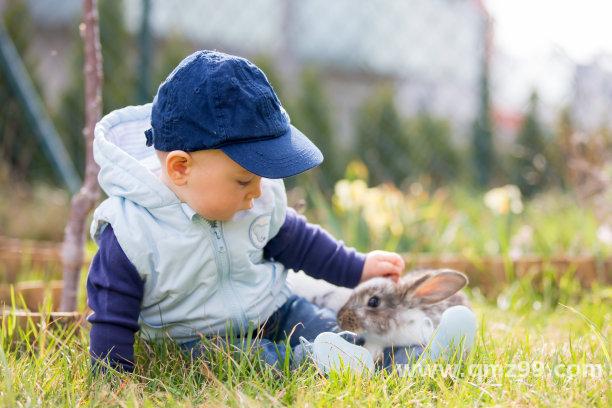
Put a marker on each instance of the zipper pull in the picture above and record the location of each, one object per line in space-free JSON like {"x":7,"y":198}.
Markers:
{"x":216,"y":231}
{"x":217,"y":234}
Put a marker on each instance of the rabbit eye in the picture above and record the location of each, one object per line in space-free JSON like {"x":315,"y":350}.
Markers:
{"x":374,"y":301}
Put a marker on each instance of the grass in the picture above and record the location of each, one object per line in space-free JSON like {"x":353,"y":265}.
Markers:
{"x":522,"y":357}
{"x":535,"y":347}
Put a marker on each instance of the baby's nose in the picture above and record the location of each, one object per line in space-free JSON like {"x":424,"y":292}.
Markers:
{"x":256,"y":189}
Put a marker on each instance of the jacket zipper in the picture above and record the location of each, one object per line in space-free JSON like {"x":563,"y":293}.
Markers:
{"x":223,"y":261}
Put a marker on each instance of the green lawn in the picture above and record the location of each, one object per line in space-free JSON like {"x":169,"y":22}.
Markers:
{"x":544,"y":344}
{"x":545,"y":357}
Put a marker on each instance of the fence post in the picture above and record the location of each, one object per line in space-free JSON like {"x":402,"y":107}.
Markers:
{"x":84,"y":201}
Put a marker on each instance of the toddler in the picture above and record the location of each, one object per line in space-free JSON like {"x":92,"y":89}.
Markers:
{"x":195,"y":237}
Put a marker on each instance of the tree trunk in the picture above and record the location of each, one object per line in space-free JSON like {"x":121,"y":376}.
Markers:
{"x":86,"y":198}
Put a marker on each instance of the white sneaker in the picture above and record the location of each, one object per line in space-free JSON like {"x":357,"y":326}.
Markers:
{"x":457,"y":328}
{"x":331,"y":352}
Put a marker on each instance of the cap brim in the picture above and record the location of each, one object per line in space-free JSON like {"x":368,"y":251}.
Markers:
{"x":284,"y":156}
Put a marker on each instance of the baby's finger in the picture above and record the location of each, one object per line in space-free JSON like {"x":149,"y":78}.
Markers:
{"x":394,"y":278}
{"x":390,"y":269}
{"x":399,"y":261}
{"x":396,"y":260}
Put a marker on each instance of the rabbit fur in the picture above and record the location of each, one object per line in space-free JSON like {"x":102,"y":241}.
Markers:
{"x":386,"y":313}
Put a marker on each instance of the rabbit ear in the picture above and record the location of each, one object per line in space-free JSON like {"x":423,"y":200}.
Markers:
{"x":438,"y":286}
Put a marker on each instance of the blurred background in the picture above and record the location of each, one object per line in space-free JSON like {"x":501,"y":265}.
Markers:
{"x":472,"y":127}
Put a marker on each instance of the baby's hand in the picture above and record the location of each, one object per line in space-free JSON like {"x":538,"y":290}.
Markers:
{"x":382,"y":263}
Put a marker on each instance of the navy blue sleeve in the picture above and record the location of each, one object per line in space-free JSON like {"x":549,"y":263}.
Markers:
{"x":114,"y":294}
{"x":308,"y":247}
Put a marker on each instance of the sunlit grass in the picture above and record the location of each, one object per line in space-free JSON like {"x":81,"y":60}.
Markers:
{"x":521,"y":358}
{"x":532,"y":327}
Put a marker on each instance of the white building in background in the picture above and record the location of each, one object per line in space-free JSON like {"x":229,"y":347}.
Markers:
{"x":430,"y":50}
{"x":592,"y":94}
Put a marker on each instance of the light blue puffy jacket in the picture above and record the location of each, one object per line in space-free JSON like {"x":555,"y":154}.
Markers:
{"x":199,"y":276}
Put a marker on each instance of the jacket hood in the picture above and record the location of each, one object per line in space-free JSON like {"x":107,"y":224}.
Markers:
{"x":128,"y":167}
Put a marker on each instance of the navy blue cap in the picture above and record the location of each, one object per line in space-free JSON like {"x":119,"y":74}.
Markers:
{"x":213,"y":100}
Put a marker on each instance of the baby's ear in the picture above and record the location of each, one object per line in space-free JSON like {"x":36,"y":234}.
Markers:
{"x":177,"y":166}
{"x":437,"y":286}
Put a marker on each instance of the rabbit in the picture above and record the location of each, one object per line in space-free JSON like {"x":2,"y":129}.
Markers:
{"x":318,"y":291}
{"x":386,"y":313}
{"x":406,"y":313}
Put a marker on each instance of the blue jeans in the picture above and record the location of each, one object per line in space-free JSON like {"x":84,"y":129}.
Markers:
{"x":278,"y":338}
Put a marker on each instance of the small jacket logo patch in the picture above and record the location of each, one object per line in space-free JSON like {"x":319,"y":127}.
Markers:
{"x":259,"y":230}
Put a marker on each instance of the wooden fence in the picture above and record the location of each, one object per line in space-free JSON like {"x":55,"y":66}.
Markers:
{"x":19,"y":258}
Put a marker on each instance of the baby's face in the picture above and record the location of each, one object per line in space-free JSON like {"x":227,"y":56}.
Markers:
{"x":217,"y":187}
